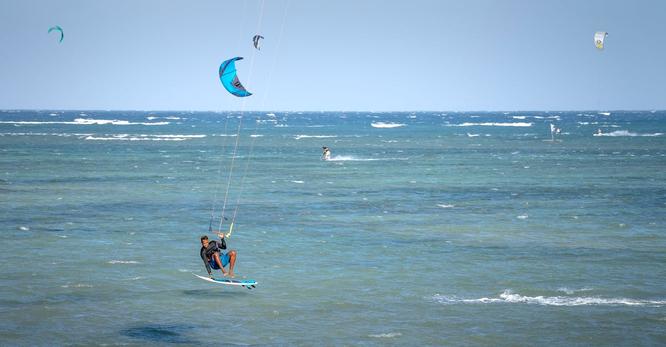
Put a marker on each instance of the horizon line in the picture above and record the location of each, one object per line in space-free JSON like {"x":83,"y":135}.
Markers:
{"x":324,"y":111}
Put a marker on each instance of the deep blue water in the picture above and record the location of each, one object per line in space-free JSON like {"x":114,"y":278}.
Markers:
{"x":426,"y":228}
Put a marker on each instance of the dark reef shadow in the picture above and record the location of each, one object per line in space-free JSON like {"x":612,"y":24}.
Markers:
{"x":161,"y":333}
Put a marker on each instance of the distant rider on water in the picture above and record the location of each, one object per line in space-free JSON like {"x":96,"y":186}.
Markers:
{"x":326,"y":155}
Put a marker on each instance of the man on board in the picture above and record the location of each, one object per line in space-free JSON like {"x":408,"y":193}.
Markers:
{"x":326,"y":155}
{"x":212,"y":256}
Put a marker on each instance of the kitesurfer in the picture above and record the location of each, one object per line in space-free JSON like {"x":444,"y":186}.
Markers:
{"x":326,"y":154}
{"x":255,"y":40}
{"x":213,"y":257}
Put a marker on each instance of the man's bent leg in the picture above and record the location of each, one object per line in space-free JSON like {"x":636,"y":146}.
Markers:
{"x":216,"y":256}
{"x":232,"y":261}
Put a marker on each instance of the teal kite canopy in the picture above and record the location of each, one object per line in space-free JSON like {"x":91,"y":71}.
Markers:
{"x":230,"y":80}
{"x":58,"y":28}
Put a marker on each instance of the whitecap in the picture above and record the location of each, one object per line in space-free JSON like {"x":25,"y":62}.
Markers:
{"x":123,"y":262}
{"x":384,"y":125}
{"x":44,"y":134}
{"x":298,"y":137}
{"x":445,"y":206}
{"x":299,"y":182}
{"x":177,"y":136}
{"x":494,"y":124}
{"x":86,"y":121}
{"x":77,"y":285}
{"x":622,"y":133}
{"x":472,"y":135}
{"x":572,"y":291}
{"x":353,"y":158}
{"x":143,"y":137}
{"x":522,"y":216}
{"x":508,"y":297}
{"x":23,"y":228}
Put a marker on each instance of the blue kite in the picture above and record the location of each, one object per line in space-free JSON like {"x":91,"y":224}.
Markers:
{"x":58,"y":28}
{"x":230,"y":80}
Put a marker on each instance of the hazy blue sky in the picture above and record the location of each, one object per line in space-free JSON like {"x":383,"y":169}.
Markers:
{"x":334,"y":55}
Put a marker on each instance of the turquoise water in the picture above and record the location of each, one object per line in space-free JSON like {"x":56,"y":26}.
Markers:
{"x":424,"y":229}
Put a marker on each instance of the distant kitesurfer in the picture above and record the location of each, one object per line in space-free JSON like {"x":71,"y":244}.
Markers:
{"x":326,"y":155}
{"x":213,"y":257}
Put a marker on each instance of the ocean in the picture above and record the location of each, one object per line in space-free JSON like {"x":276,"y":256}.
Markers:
{"x":424,"y":228}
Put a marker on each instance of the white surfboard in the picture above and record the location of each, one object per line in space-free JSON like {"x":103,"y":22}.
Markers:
{"x":229,"y":281}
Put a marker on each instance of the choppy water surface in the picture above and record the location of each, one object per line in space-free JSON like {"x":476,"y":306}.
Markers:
{"x":424,"y":228}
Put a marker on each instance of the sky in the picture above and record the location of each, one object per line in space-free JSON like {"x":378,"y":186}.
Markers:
{"x":336,"y":55}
